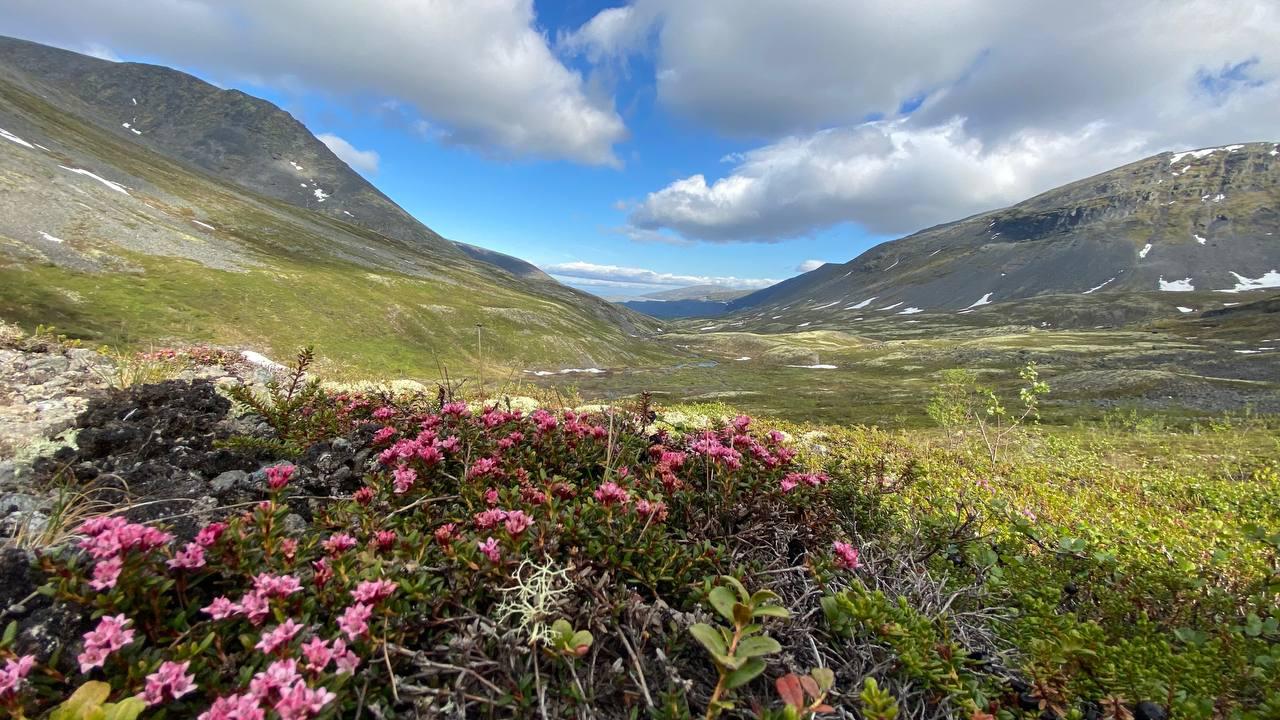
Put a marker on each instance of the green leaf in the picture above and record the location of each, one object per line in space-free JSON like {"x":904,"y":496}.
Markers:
{"x":83,"y":702}
{"x":127,"y":709}
{"x":774,"y":611}
{"x":580,"y":639}
{"x":759,"y":645}
{"x":723,"y":600}
{"x":825,"y":678}
{"x":710,"y":638}
{"x":742,"y":591}
{"x":745,"y":674}
{"x":10,"y":632}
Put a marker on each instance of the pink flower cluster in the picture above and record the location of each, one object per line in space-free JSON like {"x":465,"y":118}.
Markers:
{"x":792,"y":480}
{"x":320,"y":653}
{"x":846,"y":555}
{"x":168,"y":683}
{"x":279,"y":475}
{"x":108,"y":538}
{"x":280,"y":687}
{"x":111,"y":634}
{"x":14,"y":674}
{"x":610,"y":493}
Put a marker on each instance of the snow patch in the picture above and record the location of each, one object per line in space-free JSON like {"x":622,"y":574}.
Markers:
{"x":14,"y":138}
{"x":814,"y":367}
{"x":1199,"y":239}
{"x":890,"y":307}
{"x":344,"y":212}
{"x":805,"y":324}
{"x":588,"y":371}
{"x":260,"y":360}
{"x":894,"y":265}
{"x":204,"y":225}
{"x":135,"y":100}
{"x":862,"y":304}
{"x":741,"y":359}
{"x":823,"y":307}
{"x":539,"y":373}
{"x":1183,"y":285}
{"x":911,"y":311}
{"x":1145,"y":249}
{"x":113,"y":185}
{"x":46,"y":236}
{"x":1243,"y":284}
{"x":1098,"y":287}
{"x":1219,"y":197}
{"x":321,"y":195}
{"x":1197,"y":154}
{"x":984,"y":300}
{"x":1185,"y":309}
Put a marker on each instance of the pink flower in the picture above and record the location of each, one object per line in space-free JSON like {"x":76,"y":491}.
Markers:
{"x":279,"y":635}
{"x":611,"y":494}
{"x":491,"y":497}
{"x":517,"y":522}
{"x":14,"y":674}
{"x":113,"y":632}
{"x":363,"y":496}
{"x":170,"y":682}
{"x":254,"y":606}
{"x":404,"y":477}
{"x":299,"y":702}
{"x":234,"y":707}
{"x":789,"y":483}
{"x":278,"y":675}
{"x":446,"y":533}
{"x":221,"y":608}
{"x":321,"y":572}
{"x":338,"y":543}
{"x":346,"y":660}
{"x":371,"y":591}
{"x":741,"y":423}
{"x":846,"y":555}
{"x":210,"y":533}
{"x":430,"y":454}
{"x":276,"y":585}
{"x":483,"y":467}
{"x":383,"y":435}
{"x":384,"y":413}
{"x":655,"y":510}
{"x":189,"y":558}
{"x":489,"y":519}
{"x":490,"y":549}
{"x":533,"y":496}
{"x":355,"y":620}
{"x":108,"y":536}
{"x":106,"y":573}
{"x":317,"y":653}
{"x":448,"y":445}
{"x":457,"y":409}
{"x":384,"y":539}
{"x":289,"y":548}
{"x":279,"y":475}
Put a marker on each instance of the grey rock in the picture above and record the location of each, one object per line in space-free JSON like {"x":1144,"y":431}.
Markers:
{"x":229,"y":480}
{"x":294,"y":524}
{"x":20,"y":502}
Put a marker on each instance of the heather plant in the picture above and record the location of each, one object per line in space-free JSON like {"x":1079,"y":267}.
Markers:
{"x":495,"y":561}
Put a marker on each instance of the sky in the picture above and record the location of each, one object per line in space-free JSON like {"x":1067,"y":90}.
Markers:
{"x":628,"y":148}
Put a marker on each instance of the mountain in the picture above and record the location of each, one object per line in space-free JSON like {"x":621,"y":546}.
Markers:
{"x":122,"y":178}
{"x":1198,"y":221}
{"x":685,"y":302}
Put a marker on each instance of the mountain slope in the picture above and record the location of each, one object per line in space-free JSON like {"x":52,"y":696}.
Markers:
{"x":1204,"y":220}
{"x":102,"y":228}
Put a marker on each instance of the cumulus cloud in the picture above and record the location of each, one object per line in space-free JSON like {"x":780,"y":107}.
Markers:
{"x":365,"y":161}
{"x":480,"y":73}
{"x":611,"y":274}
{"x":810,"y":265}
{"x":902,"y":115}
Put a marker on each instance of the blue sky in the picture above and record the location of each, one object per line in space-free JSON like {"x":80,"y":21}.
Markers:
{"x":749,"y":137}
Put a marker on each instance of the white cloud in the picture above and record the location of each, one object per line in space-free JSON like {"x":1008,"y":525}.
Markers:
{"x":480,"y":73}
{"x":601,"y":274}
{"x":102,"y":52}
{"x":365,"y":161}
{"x":810,"y":265}
{"x":984,"y":102}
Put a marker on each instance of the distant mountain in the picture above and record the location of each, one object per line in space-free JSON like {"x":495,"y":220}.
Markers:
{"x":1201,"y":220}
{"x":686,"y":302}
{"x":124,"y":167}
{"x":710,"y":293}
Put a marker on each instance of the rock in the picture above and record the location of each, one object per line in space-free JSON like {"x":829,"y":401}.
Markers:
{"x":293,"y":525}
{"x":229,"y":481}
{"x":1147,"y":710}
{"x":20,"y":502}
